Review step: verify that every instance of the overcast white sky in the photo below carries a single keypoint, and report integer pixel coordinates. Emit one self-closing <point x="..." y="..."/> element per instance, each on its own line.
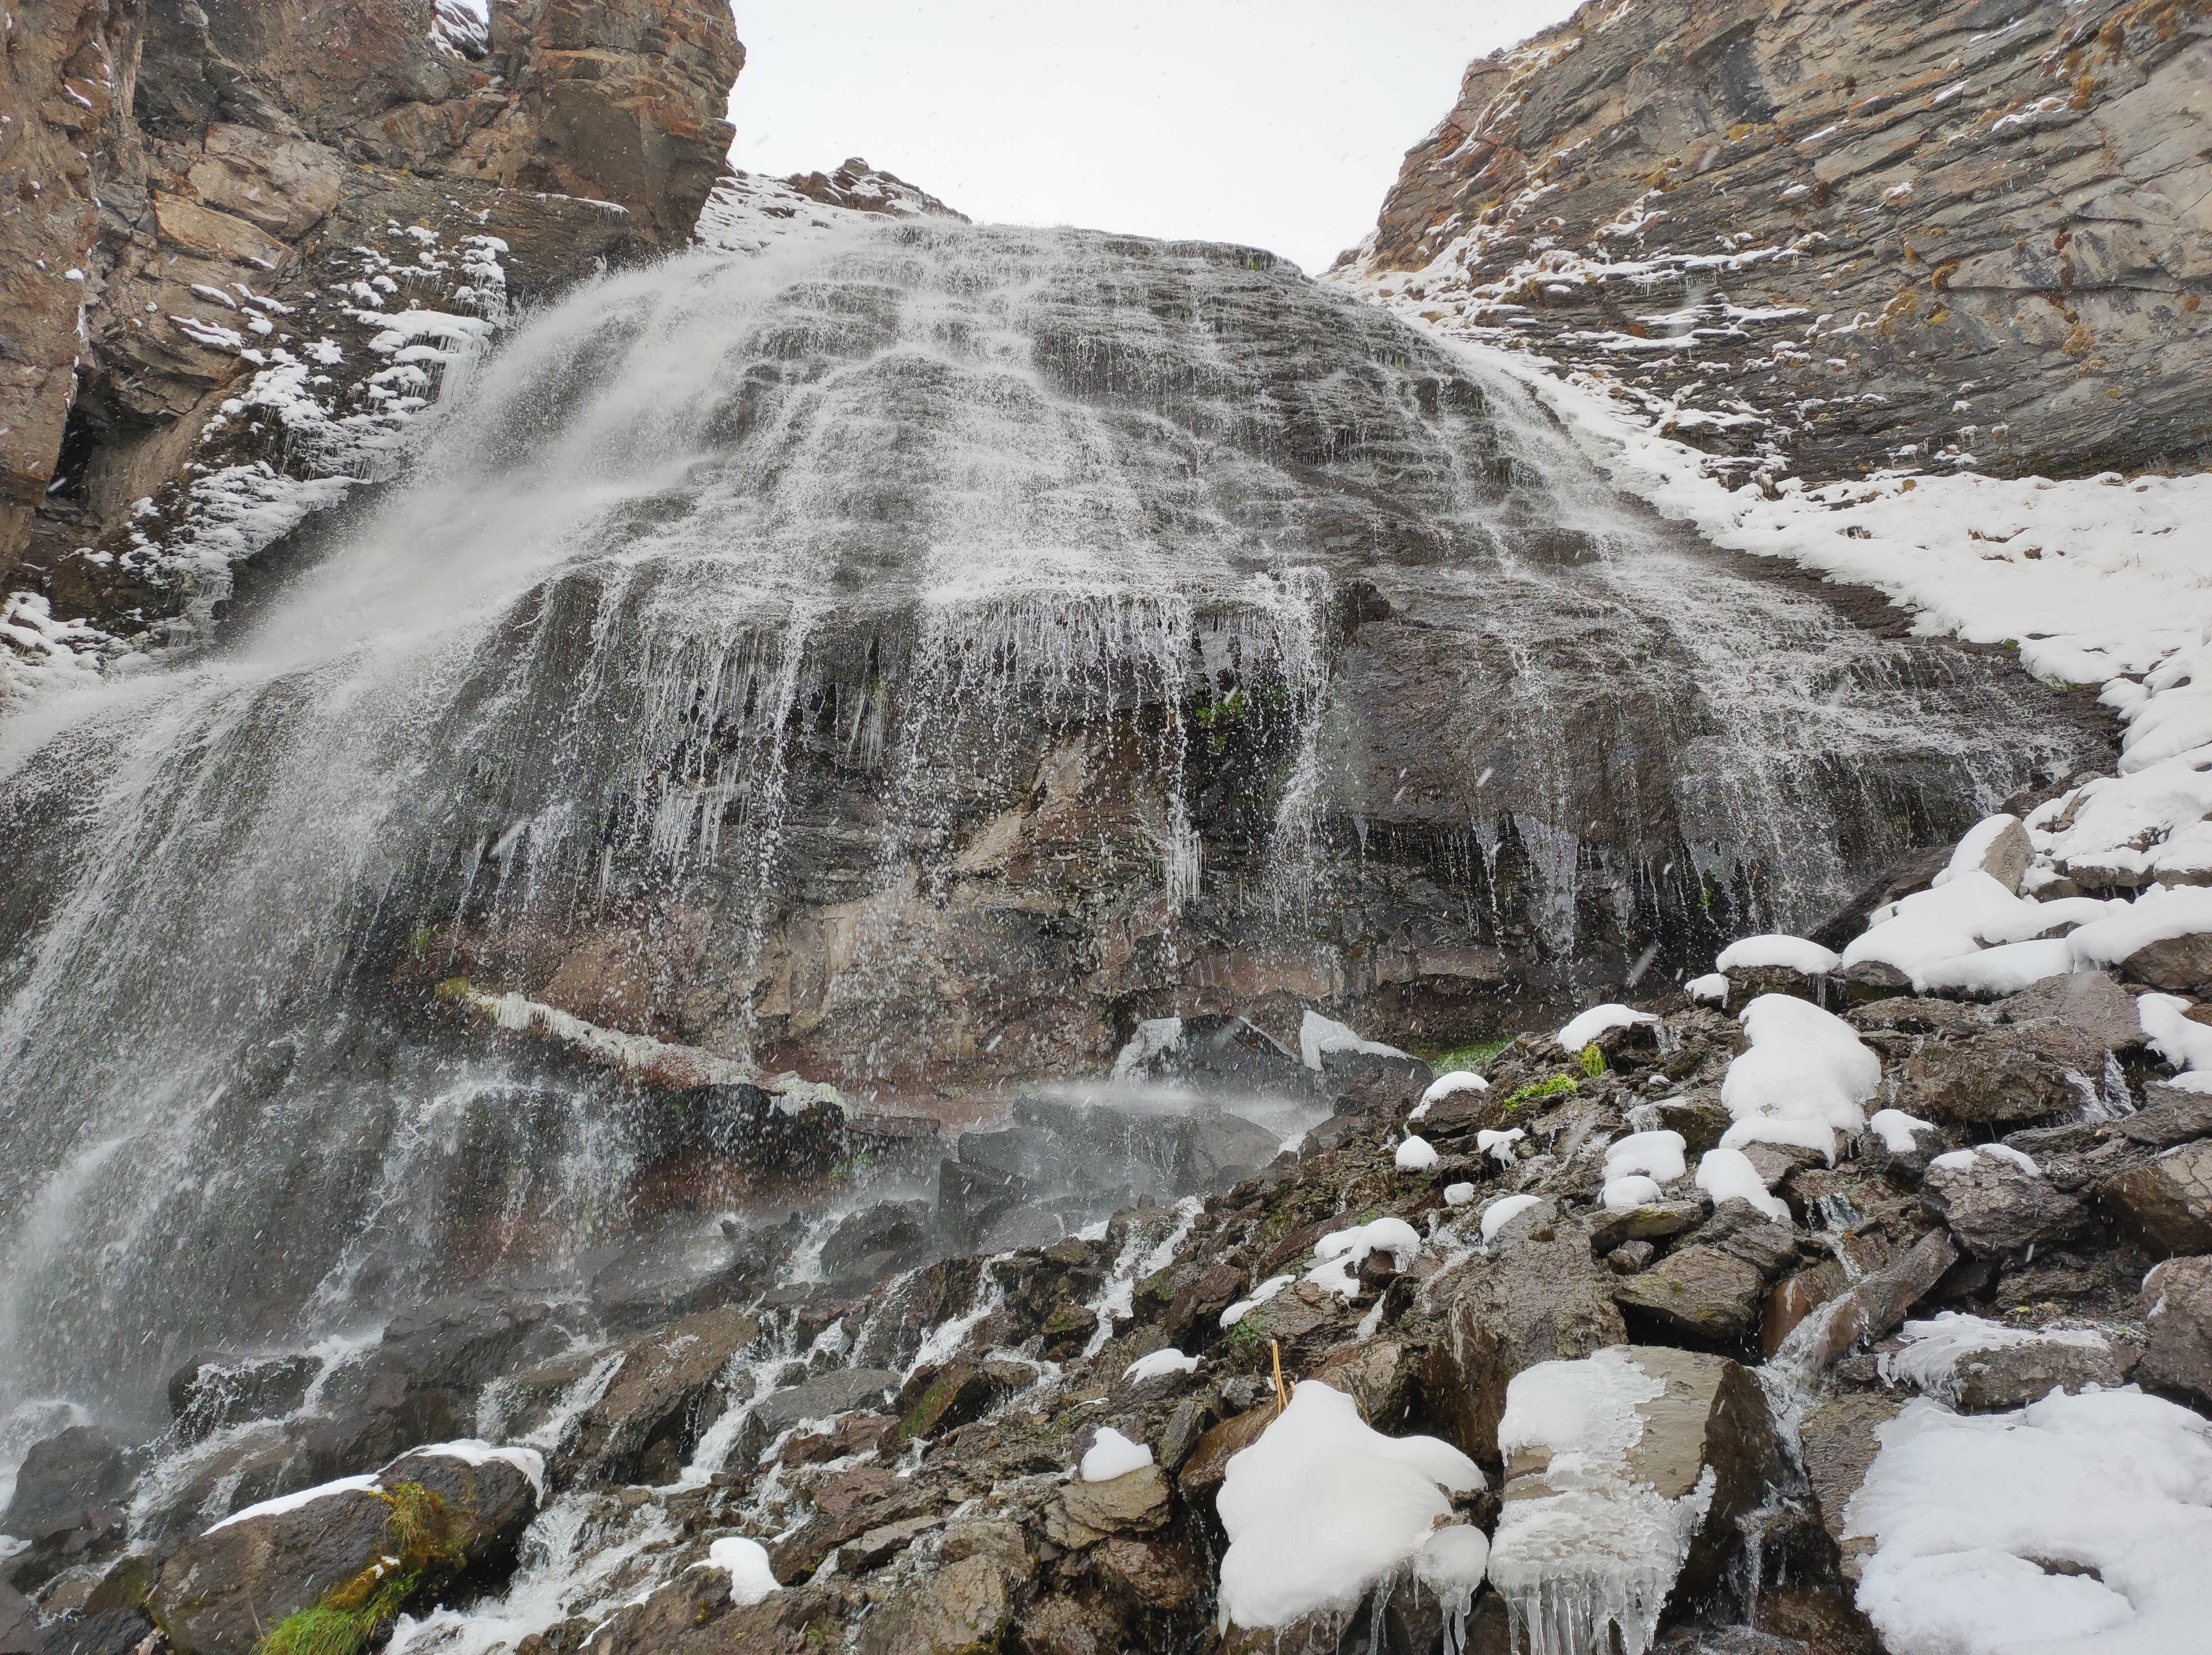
<point x="1277" y="123"/>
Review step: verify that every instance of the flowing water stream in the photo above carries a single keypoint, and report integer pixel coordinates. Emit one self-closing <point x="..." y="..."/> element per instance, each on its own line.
<point x="911" y="655"/>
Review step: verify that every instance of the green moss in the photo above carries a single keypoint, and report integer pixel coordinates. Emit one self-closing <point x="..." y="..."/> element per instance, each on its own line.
<point x="1468" y="1056"/>
<point x="1592" y="1060"/>
<point x="1534" y="1090"/>
<point x="1240" y="1342"/>
<point x="354" y="1614"/>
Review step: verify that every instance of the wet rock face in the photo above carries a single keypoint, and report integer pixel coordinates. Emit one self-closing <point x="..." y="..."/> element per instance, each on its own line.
<point x="423" y="1519"/>
<point x="1896" y="230"/>
<point x="215" y="179"/>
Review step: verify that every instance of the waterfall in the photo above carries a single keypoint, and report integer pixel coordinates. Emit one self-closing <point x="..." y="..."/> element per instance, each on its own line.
<point x="900" y="657"/>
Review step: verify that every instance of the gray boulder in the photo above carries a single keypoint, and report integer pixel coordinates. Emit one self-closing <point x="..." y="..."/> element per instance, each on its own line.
<point x="2170" y="1115"/>
<point x="1996" y="1381"/>
<point x="1838" y="1445"/>
<point x="660" y="1401"/>
<point x="2089" y="1003"/>
<point x="62" y="1478"/>
<point x="2178" y="965"/>
<point x="1227" y="1055"/>
<point x="1993" y="1078"/>
<point x="825" y="1395"/>
<point x="1540" y="1302"/>
<point x="1995" y="1208"/>
<point x="2167" y="1202"/>
<point x="2178" y="1311"/>
<point x="878" y="1242"/>
<point x="211" y="1391"/>
<point x="1700" y="1290"/>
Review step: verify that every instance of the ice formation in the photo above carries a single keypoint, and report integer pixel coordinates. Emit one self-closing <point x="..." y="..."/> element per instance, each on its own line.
<point x="1459" y="1195"/>
<point x="1590" y="1553"/>
<point x="1321" y="1507"/>
<point x="1932" y="1350"/>
<point x="2079" y="1523"/>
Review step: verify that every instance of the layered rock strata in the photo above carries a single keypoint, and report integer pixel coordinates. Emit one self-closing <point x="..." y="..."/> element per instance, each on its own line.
<point x="225" y="218"/>
<point x="1826" y="239"/>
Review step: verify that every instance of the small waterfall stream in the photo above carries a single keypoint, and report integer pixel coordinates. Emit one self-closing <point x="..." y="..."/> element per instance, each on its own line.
<point x="901" y="657"/>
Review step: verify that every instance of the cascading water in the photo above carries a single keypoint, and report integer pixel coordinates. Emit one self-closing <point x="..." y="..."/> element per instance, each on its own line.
<point x="915" y="654"/>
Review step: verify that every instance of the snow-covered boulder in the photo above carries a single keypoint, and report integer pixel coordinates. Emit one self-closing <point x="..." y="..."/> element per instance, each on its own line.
<point x="1627" y="1473"/>
<point x="2078" y="1522"/>
<point x="1587" y="1027"/>
<point x="1363" y="1076"/>
<point x="1802" y="1081"/>
<point x="1996" y="845"/>
<point x="1983" y="1366"/>
<point x="1322" y="1507"/>
<point x="2164" y="938"/>
<point x="1998" y="1203"/>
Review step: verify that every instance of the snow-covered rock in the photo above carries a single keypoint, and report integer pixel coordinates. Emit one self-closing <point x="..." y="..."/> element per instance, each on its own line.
<point x="1416" y="1156"/>
<point x="1321" y="1507"/>
<point x="2078" y="1522"/>
<point x="1600" y="1020"/>
<point x="1803" y="1080"/>
<point x="1112" y="1455"/>
<point x="1787" y="953"/>
<point x="1626" y="1474"/>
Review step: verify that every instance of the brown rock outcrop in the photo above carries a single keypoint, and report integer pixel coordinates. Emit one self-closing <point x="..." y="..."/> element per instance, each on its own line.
<point x="224" y="210"/>
<point x="1858" y="234"/>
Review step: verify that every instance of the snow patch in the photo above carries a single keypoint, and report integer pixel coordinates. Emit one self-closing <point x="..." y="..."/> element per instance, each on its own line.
<point x="1111" y="1455"/>
<point x="2079" y="1523"/>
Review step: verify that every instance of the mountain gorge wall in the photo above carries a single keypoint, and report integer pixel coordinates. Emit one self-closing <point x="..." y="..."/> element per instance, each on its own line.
<point x="1821" y="239"/>
<point x="215" y="207"/>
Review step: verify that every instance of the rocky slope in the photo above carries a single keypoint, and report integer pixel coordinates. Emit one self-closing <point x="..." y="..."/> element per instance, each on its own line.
<point x="214" y="214"/>
<point x="1830" y="238"/>
<point x="912" y="1448"/>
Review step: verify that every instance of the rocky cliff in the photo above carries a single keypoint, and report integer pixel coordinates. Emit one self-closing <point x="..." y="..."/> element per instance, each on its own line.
<point x="214" y="215"/>
<point x="1826" y="238"/>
